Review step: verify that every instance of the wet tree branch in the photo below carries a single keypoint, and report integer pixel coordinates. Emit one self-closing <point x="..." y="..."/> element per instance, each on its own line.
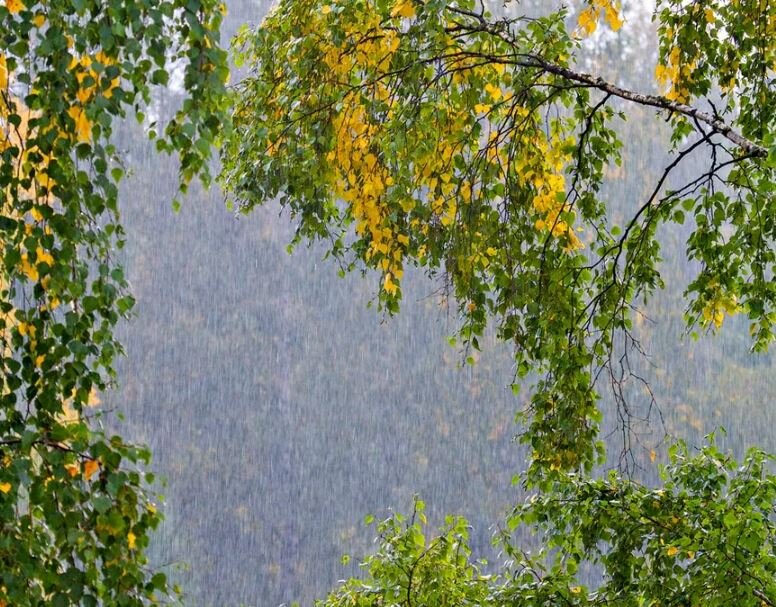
<point x="531" y="60"/>
<point x="662" y="103"/>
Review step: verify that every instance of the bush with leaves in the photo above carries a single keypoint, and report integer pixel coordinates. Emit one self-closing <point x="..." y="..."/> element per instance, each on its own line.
<point x="707" y="537"/>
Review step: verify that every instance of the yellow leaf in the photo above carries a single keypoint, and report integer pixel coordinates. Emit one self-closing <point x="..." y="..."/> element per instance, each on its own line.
<point x="674" y="56"/>
<point x="404" y="9"/>
<point x="389" y="286"/>
<point x="652" y="455"/>
<point x="131" y="539"/>
<point x="661" y="74"/>
<point x="326" y="9"/>
<point x="44" y="257"/>
<point x="83" y="127"/>
<point x="588" y="20"/>
<point x="5" y="487"/>
<point x="482" y="108"/>
<point x="672" y="550"/>
<point x="73" y="469"/>
<point x="90" y="467"/>
<point x="394" y="43"/>
<point x="26" y="329"/>
<point x="574" y="242"/>
<point x="39" y="361"/>
<point x="575" y="589"/>
<point x="3" y="73"/>
<point x="39" y="20"/>
<point x="709" y="14"/>
<point x="493" y="91"/>
<point x="14" y="6"/>
<point x="29" y="270"/>
<point x="613" y="18"/>
<point x="84" y="94"/>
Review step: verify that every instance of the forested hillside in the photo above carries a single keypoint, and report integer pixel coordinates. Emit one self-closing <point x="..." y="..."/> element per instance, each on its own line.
<point x="281" y="410"/>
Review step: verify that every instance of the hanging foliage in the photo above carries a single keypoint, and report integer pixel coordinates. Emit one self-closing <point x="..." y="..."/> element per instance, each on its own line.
<point x="75" y="504"/>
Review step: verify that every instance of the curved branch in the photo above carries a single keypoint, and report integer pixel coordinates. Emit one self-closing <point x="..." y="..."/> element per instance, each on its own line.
<point x="662" y="103"/>
<point x="531" y="60"/>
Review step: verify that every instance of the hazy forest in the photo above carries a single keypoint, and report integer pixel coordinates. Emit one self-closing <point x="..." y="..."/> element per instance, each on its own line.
<point x="282" y="403"/>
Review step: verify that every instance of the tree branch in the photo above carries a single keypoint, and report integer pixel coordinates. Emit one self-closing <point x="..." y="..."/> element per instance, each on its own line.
<point x="530" y="60"/>
<point x="761" y="595"/>
<point x="718" y="126"/>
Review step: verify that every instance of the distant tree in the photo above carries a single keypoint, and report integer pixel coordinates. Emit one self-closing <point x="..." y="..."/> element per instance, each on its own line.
<point x="76" y="506"/>
<point x="432" y="133"/>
